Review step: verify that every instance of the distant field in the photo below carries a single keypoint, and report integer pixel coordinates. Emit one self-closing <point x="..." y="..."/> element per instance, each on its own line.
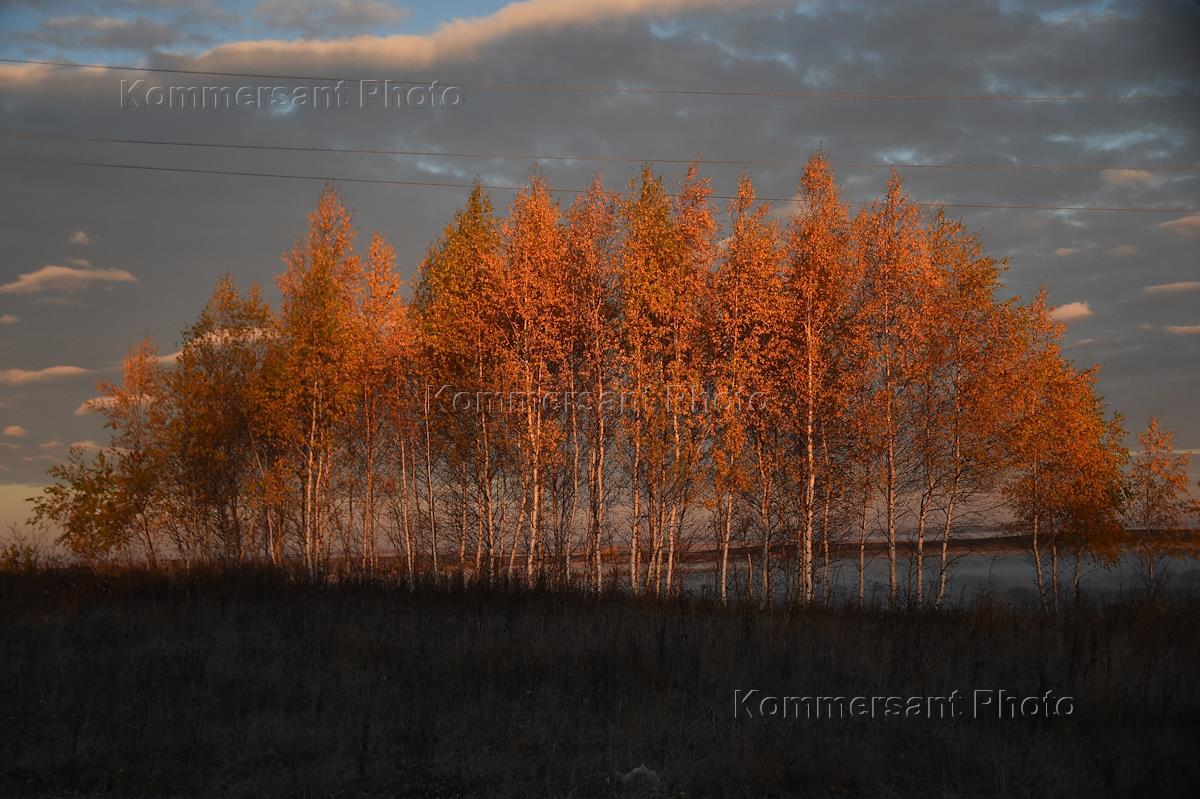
<point x="258" y="685"/>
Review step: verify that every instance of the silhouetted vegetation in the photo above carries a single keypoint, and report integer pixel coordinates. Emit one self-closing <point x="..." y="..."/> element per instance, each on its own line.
<point x="260" y="683"/>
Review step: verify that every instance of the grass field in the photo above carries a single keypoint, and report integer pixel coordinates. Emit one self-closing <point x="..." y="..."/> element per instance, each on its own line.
<point x="258" y="685"/>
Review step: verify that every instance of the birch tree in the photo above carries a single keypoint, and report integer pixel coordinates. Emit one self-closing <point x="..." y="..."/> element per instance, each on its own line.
<point x="897" y="276"/>
<point x="822" y="283"/>
<point x="592" y="251"/>
<point x="311" y="391"/>
<point x="744" y="319"/>
<point x="1158" y="497"/>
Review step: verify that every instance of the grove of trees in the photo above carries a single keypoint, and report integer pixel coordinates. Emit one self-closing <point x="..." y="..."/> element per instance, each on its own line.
<point x="594" y="394"/>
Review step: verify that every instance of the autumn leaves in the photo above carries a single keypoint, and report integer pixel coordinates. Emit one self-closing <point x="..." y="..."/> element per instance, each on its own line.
<point x="858" y="376"/>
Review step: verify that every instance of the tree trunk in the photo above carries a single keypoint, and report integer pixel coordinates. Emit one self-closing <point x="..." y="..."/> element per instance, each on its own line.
<point x="805" y="548"/>
<point x="862" y="548"/>
<point x="429" y="499"/>
<point x="1054" y="569"/>
<point x="726" y="528"/>
<point x="890" y="498"/>
<point x="635" y="535"/>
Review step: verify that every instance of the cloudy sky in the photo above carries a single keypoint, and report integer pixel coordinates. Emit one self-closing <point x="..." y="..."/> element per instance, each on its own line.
<point x="93" y="258"/>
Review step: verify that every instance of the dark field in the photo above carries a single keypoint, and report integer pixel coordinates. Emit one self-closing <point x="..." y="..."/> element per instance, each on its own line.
<point x="257" y="685"/>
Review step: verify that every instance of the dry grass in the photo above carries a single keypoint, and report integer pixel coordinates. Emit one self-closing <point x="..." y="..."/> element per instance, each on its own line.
<point x="260" y="685"/>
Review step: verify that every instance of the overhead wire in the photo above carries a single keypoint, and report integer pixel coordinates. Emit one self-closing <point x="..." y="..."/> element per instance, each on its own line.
<point x="502" y="187"/>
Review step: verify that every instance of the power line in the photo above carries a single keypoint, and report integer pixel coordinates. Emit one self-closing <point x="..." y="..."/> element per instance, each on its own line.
<point x="563" y="87"/>
<point x="497" y="187"/>
<point x="597" y="158"/>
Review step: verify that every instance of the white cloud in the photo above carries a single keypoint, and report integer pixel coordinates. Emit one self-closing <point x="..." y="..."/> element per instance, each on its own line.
<point x="15" y="431"/>
<point x="1064" y="251"/>
<point x="1122" y="250"/>
<point x="64" y="278"/>
<point x="51" y="444"/>
<point x="85" y="444"/>
<point x="93" y="405"/>
<point x="79" y="237"/>
<point x="1071" y="310"/>
<point x="1172" y="288"/>
<point x="19" y="377"/>
<point x="1123" y="177"/>
<point x="1185" y="225"/>
<point x="214" y="338"/>
<point x="1183" y="330"/>
<point x="457" y="40"/>
<point x="9" y="319"/>
<point x="788" y="208"/>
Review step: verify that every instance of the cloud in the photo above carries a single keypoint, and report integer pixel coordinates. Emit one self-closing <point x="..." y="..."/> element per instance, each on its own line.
<point x="216" y="338"/>
<point x="1124" y="177"/>
<point x="15" y="431"/>
<point x="94" y="405"/>
<point x="1172" y="288"/>
<point x="1185" y="225"/>
<point x="105" y="33"/>
<point x="1183" y="330"/>
<point x="85" y="444"/>
<point x="1122" y="250"/>
<point x="64" y="278"/>
<point x="1064" y="251"/>
<point x="20" y="377"/>
<point x="787" y="209"/>
<point x="79" y="237"/>
<point x="328" y="18"/>
<point x="9" y="319"/>
<point x="459" y="39"/>
<point x="51" y="444"/>
<point x="222" y="337"/>
<point x="1071" y="310"/>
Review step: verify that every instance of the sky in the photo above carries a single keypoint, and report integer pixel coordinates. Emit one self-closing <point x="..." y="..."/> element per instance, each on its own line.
<point x="92" y="259"/>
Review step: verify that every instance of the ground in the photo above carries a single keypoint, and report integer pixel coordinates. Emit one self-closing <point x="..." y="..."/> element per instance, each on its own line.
<point x="129" y="684"/>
